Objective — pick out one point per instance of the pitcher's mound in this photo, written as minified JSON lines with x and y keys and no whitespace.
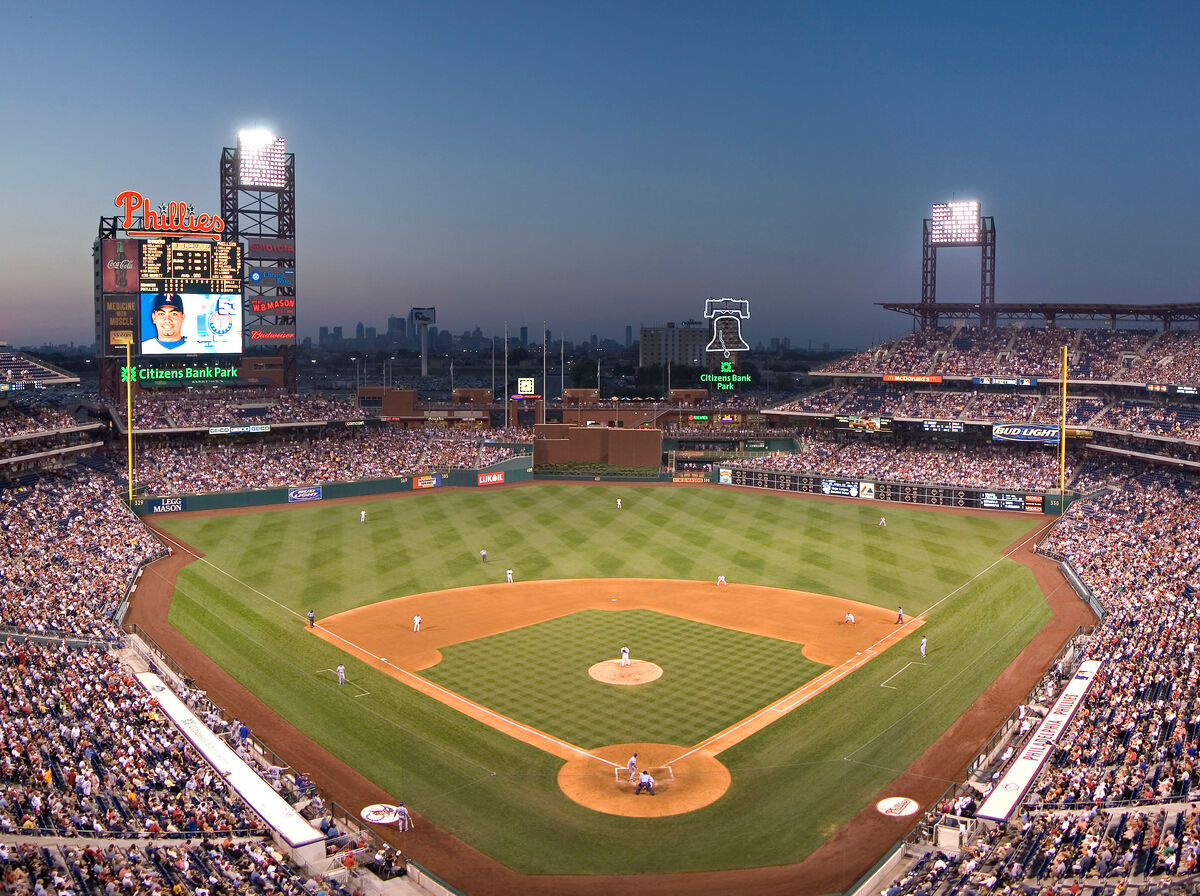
{"x":637,"y":672}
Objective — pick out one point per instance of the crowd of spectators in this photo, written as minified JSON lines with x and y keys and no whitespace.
{"x":1173,"y":421}
{"x":1115,"y":355}
{"x":22,"y":419}
{"x":1175,"y":359}
{"x":1178,"y":421}
{"x":1021,"y":468}
{"x":70,"y":549}
{"x":85,"y":751}
{"x":204,"y":408}
{"x":340,"y":455}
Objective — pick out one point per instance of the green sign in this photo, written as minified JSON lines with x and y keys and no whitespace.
{"x":191,"y":373}
{"x":726,"y":379}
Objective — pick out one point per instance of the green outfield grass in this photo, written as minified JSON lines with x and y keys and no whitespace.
{"x":793,"y":783}
{"x":538,"y":675}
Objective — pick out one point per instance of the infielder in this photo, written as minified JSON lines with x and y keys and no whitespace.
{"x":417,"y":623}
{"x":721,"y":580}
{"x":849,"y":620}
{"x":922,"y":648}
{"x":899,"y":616}
{"x":341,"y":674}
{"x":509,"y":574}
{"x":624,"y":656}
{"x":312,"y":618}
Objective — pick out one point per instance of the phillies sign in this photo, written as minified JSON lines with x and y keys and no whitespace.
{"x":171,"y":218}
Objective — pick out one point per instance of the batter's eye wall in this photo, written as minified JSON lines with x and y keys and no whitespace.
{"x":560,"y":444}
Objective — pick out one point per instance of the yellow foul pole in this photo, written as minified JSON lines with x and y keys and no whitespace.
{"x":129,"y":416}
{"x":1062,"y":432}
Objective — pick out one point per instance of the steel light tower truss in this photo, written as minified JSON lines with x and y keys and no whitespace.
{"x":955,"y":225}
{"x":258,"y":205}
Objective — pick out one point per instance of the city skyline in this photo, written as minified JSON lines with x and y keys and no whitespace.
{"x":592,"y":170}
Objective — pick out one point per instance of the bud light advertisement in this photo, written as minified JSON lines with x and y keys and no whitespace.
{"x":1037,"y":433}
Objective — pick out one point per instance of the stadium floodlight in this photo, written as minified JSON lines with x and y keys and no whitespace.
{"x":956,"y":223}
{"x":261,"y":160}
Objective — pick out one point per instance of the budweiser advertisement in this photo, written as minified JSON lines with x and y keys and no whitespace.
{"x":120,"y":262}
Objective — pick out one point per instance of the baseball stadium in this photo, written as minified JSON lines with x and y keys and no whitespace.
{"x":924,"y":624}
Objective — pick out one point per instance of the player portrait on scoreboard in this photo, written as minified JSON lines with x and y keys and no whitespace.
{"x":191,"y":324}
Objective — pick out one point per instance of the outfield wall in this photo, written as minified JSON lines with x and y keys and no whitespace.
{"x":929,"y":494}
{"x":512,"y":470}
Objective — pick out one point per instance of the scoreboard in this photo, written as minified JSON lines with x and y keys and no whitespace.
{"x":903,"y":492}
{"x":182,"y":266}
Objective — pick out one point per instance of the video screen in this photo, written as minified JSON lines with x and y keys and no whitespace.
{"x":191,"y":323}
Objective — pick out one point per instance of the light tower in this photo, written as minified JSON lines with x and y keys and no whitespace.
{"x":952,"y":225}
{"x":258,"y":205}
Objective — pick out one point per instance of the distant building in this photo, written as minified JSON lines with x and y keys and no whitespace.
{"x":524,"y":337}
{"x":671,"y":344}
{"x":629,"y":335}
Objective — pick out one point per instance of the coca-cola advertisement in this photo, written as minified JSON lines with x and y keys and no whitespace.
{"x":120,"y":263}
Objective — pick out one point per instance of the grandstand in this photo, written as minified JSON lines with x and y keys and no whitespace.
{"x":100,"y":792}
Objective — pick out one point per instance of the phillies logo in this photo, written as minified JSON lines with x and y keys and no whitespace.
{"x":176,"y":218}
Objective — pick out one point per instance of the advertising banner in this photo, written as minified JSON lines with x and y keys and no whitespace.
{"x":119,"y":324}
{"x":271,"y":278}
{"x":1004,"y":381}
{"x":845,"y":488}
{"x":1036,"y":433}
{"x":434,"y":480}
{"x":120,"y":262}
{"x":270,"y":247}
{"x":161,"y":505}
{"x":911,"y":378}
{"x":304,"y":493}
{"x":269,"y":334}
{"x":494,"y":478}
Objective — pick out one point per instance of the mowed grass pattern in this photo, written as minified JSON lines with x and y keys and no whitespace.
{"x":793,"y":783}
{"x":713,"y":677}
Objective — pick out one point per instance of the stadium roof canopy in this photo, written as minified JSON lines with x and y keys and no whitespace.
{"x":1051,"y":312}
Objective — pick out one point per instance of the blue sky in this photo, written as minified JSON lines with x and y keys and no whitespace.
{"x":597,"y":165}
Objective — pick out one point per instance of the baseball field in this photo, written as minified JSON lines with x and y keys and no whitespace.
{"x":771,"y":721}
